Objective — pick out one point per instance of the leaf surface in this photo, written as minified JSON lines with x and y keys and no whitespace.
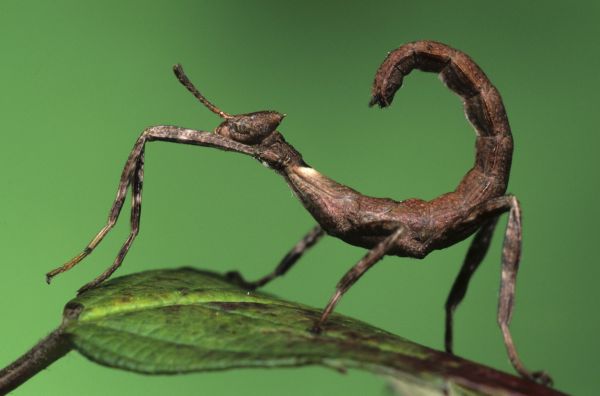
{"x":186,"y":320}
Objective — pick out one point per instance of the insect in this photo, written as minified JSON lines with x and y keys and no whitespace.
{"x":409,"y":228}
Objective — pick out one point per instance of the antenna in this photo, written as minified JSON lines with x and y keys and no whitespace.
{"x":183,"y":79}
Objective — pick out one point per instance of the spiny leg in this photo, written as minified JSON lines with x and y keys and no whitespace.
{"x":136,"y":211}
{"x":308,"y":241}
{"x":350,"y":278}
{"x":511,"y":255}
{"x":160,"y":133}
{"x":477,"y":251}
{"x":113,"y":214}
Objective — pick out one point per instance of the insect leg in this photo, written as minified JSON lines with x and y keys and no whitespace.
{"x":160,"y":133}
{"x":475,"y":255}
{"x":113,"y":214}
{"x":136,"y":211}
{"x":308,"y":241}
{"x":511,"y":254}
{"x":372,"y":257}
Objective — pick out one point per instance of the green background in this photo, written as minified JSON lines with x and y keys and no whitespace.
{"x":80,"y":80}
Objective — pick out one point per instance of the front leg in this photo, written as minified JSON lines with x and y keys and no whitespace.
{"x":133,"y":174}
{"x":136,"y":211}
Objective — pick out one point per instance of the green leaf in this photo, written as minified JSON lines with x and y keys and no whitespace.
{"x":186,"y":320}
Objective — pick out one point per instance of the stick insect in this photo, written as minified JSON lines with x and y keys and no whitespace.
{"x":409,"y":228}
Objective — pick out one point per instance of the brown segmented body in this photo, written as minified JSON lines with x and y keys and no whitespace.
{"x":412,"y":227}
{"x":365,"y":221}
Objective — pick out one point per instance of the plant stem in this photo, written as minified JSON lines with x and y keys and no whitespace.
{"x":43,"y":354}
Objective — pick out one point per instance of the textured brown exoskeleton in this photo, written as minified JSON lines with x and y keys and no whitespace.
{"x":410,"y":228}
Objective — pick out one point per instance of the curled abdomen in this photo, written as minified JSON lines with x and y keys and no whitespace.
{"x":482,"y":104}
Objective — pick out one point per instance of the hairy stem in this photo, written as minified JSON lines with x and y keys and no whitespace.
{"x":44,"y":353}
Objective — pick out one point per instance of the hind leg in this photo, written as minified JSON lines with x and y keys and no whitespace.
{"x":511,"y":255}
{"x":475,"y":255}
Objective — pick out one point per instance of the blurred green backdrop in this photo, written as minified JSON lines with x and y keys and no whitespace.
{"x":80,"y":81}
